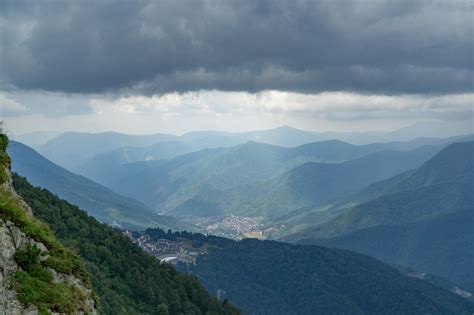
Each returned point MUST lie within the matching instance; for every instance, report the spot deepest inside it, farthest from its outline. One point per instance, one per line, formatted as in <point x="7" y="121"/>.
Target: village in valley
<point x="167" y="250"/>
<point x="234" y="227"/>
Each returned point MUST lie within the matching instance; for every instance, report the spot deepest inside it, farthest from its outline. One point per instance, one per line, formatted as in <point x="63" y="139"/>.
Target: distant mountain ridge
<point x="126" y="280"/>
<point x="179" y="184"/>
<point x="72" y="150"/>
<point x="102" y="166"/>
<point x="98" y="200"/>
<point x="36" y="139"/>
<point x="260" y="277"/>
<point x="421" y="219"/>
<point x="310" y="184"/>
<point x="222" y="168"/>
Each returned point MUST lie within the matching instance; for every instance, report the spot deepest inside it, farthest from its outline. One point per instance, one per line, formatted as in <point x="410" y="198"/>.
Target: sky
<point x="143" y="66"/>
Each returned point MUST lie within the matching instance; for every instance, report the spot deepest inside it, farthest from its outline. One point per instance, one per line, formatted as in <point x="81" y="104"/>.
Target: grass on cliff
<point x="35" y="285"/>
<point x="4" y="158"/>
<point x="34" y="282"/>
<point x="60" y="258"/>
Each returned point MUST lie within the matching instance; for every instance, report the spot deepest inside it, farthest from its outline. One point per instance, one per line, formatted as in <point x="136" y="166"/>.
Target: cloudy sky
<point x="174" y="66"/>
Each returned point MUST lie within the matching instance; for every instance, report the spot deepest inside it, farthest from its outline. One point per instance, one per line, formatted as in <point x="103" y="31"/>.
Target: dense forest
<point x="422" y="219"/>
<point x="33" y="262"/>
<point x="267" y="277"/>
<point x="261" y="277"/>
<point x="126" y="279"/>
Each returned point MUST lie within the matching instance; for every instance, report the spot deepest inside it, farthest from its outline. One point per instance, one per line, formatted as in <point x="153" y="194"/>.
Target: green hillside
<point x="441" y="245"/>
<point x="422" y="219"/>
<point x="103" y="166"/>
<point x="34" y="279"/>
<point x="96" y="199"/>
<point x="126" y="279"/>
<point x="308" y="185"/>
<point x="191" y="180"/>
<point x="267" y="277"/>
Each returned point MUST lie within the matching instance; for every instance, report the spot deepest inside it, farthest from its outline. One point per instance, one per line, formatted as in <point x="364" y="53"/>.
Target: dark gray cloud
<point x="159" y="46"/>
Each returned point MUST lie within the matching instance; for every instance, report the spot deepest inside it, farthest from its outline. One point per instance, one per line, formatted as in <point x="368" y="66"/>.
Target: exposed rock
<point x="12" y="238"/>
<point x="8" y="187"/>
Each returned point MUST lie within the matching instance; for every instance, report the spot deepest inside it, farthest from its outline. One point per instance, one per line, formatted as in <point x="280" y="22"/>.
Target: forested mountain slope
<point x="98" y="200"/>
<point x="190" y="142"/>
<point x="38" y="273"/>
<point x="101" y="166"/>
<point x="422" y="219"/>
<point x="72" y="149"/>
<point x="267" y="277"/>
<point x="308" y="185"/>
<point x="126" y="279"/>
<point x="171" y="185"/>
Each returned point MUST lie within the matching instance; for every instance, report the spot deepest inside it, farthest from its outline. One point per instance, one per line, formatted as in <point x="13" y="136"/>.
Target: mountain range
<point x="125" y="279"/>
<point x="99" y="201"/>
<point x="235" y="175"/>
<point x="73" y="150"/>
<point x="421" y="218"/>
<point x="308" y="185"/>
<point x="303" y="279"/>
<point x="405" y="203"/>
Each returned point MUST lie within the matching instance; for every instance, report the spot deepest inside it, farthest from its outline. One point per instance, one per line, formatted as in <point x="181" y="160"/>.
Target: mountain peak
<point x="455" y="160"/>
<point x="287" y="128"/>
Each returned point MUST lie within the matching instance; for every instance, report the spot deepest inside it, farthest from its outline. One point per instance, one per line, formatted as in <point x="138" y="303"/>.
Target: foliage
<point x="421" y="219"/>
<point x="198" y="239"/>
<point x="34" y="284"/>
<point x="60" y="258"/>
<point x="126" y="279"/>
<point x="4" y="158"/>
<point x="267" y="277"/>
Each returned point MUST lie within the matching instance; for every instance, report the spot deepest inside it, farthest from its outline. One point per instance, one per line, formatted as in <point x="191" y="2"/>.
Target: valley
<point x="232" y="226"/>
<point x="221" y="205"/>
<point x="219" y="157"/>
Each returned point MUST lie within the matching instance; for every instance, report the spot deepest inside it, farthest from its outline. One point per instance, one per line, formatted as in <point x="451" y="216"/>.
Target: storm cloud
<point x="149" y="47"/>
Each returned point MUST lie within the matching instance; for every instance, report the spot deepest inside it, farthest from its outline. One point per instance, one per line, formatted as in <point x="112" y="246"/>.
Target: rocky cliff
<point x="38" y="275"/>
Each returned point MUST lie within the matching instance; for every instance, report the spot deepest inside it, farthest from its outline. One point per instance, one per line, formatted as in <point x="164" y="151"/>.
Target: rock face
<point x="7" y="186"/>
<point x="11" y="239"/>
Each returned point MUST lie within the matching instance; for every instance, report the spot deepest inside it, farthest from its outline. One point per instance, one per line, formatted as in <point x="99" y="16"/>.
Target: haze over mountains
<point x="422" y="218"/>
<point x="216" y="157"/>
<point x="408" y="203"/>
<point x="321" y="279"/>
<point x="308" y="184"/>
<point x="128" y="280"/>
<point x="98" y="200"/>
<point x="59" y="148"/>
<point x="199" y="183"/>
<point x="250" y="178"/>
